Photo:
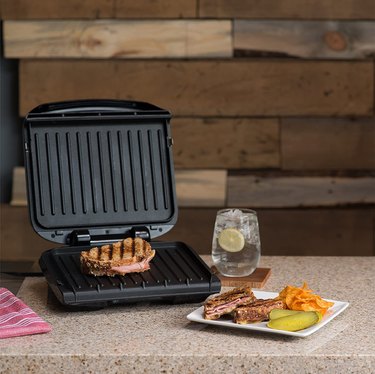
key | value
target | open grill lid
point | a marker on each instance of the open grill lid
(100, 168)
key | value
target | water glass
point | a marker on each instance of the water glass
(236, 242)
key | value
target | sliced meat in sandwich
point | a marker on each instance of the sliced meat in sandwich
(129, 256)
(226, 302)
(257, 311)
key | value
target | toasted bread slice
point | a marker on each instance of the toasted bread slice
(226, 302)
(129, 256)
(257, 311)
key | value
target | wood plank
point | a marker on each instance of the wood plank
(204, 188)
(288, 9)
(57, 9)
(155, 9)
(238, 143)
(201, 188)
(19, 190)
(307, 39)
(117, 39)
(18, 240)
(312, 232)
(19, 194)
(328, 144)
(94, 9)
(207, 88)
(287, 192)
(317, 232)
(299, 232)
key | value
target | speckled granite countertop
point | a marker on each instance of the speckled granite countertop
(157, 338)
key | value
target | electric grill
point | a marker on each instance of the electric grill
(99, 171)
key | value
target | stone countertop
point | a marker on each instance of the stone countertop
(152, 338)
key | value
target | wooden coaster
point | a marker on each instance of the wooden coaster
(256, 280)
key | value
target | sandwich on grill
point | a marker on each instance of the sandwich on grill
(129, 256)
(226, 302)
(257, 311)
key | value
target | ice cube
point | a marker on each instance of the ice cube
(233, 214)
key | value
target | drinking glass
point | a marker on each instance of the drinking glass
(236, 242)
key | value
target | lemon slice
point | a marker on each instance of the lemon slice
(231, 240)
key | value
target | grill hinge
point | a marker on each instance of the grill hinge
(84, 238)
(140, 232)
(80, 237)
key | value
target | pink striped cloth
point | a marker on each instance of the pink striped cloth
(17, 319)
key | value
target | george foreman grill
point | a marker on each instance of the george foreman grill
(99, 171)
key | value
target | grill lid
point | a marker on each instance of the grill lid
(102, 167)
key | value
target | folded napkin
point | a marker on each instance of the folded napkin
(17, 319)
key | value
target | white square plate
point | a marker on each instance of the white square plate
(335, 310)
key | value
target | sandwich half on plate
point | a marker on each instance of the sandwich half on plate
(257, 311)
(226, 302)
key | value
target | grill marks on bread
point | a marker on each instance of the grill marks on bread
(226, 302)
(129, 250)
(257, 311)
(129, 255)
(242, 304)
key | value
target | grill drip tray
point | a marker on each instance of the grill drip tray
(177, 274)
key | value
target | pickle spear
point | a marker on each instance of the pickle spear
(295, 322)
(278, 313)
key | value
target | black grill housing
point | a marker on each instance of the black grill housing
(99, 171)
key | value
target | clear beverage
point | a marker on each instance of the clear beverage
(236, 242)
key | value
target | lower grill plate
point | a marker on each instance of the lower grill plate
(177, 274)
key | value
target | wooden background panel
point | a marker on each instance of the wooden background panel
(308, 39)
(317, 232)
(201, 188)
(93, 9)
(117, 39)
(19, 192)
(279, 192)
(328, 144)
(55, 9)
(271, 9)
(207, 88)
(18, 240)
(155, 9)
(230, 143)
(288, 9)
(313, 232)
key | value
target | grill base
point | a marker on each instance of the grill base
(177, 275)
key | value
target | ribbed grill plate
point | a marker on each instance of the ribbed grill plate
(100, 173)
(176, 273)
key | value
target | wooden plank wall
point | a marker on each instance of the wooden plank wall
(272, 102)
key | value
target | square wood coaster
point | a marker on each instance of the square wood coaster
(256, 280)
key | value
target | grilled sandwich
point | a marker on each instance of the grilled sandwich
(227, 302)
(128, 256)
(257, 311)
